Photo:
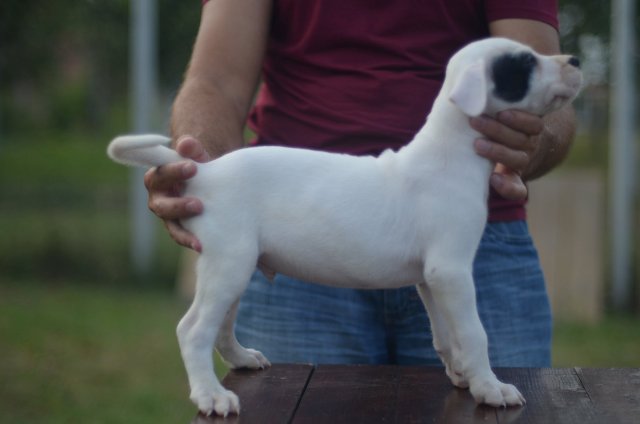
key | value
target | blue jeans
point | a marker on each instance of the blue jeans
(293, 321)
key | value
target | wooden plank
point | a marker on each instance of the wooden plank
(266, 396)
(389, 394)
(554, 395)
(615, 392)
(393, 394)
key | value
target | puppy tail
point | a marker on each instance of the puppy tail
(146, 150)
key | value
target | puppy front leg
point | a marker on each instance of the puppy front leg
(453, 292)
(442, 338)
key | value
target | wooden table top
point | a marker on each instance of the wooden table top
(397, 394)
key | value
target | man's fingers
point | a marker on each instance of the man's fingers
(517, 160)
(172, 208)
(191, 148)
(503, 134)
(182, 236)
(165, 184)
(523, 122)
(508, 184)
(166, 177)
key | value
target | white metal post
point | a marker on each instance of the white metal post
(623, 154)
(143, 103)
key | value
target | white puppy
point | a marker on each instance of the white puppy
(412, 217)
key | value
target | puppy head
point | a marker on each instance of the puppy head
(495, 74)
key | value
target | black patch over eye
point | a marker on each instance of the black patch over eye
(511, 75)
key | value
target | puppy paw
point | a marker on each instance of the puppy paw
(256, 360)
(221, 402)
(452, 367)
(457, 378)
(492, 392)
(248, 358)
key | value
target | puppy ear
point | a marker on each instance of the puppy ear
(469, 91)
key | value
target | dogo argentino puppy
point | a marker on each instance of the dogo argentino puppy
(411, 217)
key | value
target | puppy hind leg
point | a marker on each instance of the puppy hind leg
(453, 292)
(220, 283)
(232, 351)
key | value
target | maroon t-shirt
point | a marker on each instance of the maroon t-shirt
(360, 76)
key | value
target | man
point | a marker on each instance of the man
(358, 77)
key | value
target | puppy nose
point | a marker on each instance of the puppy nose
(574, 61)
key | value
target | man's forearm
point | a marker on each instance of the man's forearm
(223, 73)
(203, 111)
(554, 143)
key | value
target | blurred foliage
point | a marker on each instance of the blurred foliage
(64, 214)
(583, 17)
(64, 69)
(64, 64)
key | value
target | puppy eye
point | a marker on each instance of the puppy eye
(529, 60)
(511, 74)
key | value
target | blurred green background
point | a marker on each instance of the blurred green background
(83, 337)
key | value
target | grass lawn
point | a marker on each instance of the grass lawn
(615, 342)
(88, 354)
(73, 353)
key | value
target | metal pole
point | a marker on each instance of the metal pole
(143, 84)
(622, 158)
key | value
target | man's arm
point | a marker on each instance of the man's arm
(525, 146)
(221, 79)
(210, 110)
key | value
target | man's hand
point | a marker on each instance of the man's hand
(165, 185)
(511, 141)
